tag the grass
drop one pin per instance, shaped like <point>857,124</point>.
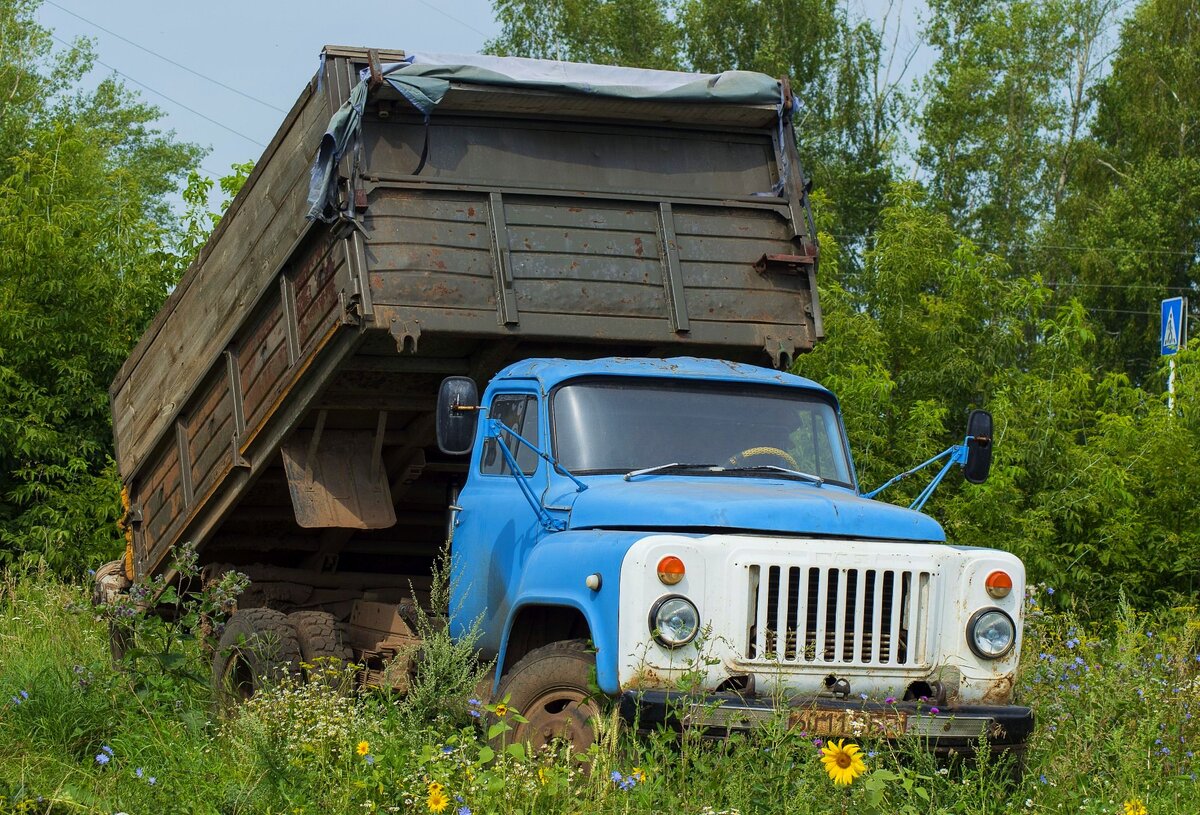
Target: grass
<point>1115,705</point>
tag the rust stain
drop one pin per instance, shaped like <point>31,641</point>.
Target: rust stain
<point>438,264</point>
<point>574,209</point>
<point>637,247</point>
<point>646,679</point>
<point>999,691</point>
<point>470,212</point>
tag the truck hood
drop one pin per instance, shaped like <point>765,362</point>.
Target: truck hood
<point>745,504</point>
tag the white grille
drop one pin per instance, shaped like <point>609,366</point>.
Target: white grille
<point>820,615</point>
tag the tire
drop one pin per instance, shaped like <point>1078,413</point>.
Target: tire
<point>258,648</point>
<point>553,688</point>
<point>322,645</point>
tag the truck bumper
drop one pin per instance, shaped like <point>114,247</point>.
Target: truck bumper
<point>950,730</point>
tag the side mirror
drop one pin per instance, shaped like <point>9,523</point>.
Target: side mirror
<point>457,415</point>
<point>979,447</point>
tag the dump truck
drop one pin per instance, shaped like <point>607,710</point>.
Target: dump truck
<point>644,508</point>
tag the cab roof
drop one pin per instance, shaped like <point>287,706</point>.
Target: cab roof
<point>551,372</point>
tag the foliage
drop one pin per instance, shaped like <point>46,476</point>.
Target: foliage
<point>83,221</point>
<point>1115,709</point>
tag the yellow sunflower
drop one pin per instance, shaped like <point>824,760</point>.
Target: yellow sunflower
<point>438,800</point>
<point>1134,806</point>
<point>843,762</point>
<point>501,709</point>
<point>363,748</point>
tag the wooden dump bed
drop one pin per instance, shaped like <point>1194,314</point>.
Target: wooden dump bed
<point>540,224</point>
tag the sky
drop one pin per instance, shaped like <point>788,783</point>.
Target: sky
<point>233,69</point>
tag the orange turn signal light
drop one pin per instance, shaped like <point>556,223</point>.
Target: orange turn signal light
<point>998,584</point>
<point>670,570</point>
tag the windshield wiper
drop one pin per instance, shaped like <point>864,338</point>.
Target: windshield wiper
<point>771,468</point>
<point>675,465</point>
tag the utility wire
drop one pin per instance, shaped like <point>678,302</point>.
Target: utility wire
<point>448,16</point>
<point>168,98</point>
<point>179,65</point>
<point>1063,247</point>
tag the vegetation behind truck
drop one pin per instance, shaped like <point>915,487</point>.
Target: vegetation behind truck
<point>633,499</point>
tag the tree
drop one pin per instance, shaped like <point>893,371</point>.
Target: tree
<point>85,231</point>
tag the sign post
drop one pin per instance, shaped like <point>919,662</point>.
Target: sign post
<point>1172,337</point>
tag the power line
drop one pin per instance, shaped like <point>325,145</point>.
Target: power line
<point>168,98</point>
<point>179,65</point>
<point>1063,247</point>
<point>450,16</point>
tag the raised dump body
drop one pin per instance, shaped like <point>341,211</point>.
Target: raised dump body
<point>279,412</point>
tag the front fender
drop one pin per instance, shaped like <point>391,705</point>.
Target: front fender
<point>554,575</point>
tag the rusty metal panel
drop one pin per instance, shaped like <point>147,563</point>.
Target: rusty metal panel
<point>336,478</point>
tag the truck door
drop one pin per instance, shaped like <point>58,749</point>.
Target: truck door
<point>495,526</point>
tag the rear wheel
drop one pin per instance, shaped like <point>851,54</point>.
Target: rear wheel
<point>553,688</point>
<point>322,645</point>
<point>258,648</point>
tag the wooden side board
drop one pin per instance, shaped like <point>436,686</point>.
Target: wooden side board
<point>213,298</point>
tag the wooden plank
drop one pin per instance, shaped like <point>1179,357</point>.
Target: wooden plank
<point>438,289</point>
<point>595,298</point>
<point>395,257</point>
<point>634,270</point>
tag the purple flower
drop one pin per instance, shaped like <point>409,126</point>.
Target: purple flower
<point>817,742</point>
<point>447,749</point>
<point>104,748</point>
<point>1050,590</point>
<point>464,810</point>
<point>370,759</point>
<point>933,711</point>
<point>138,772</point>
<point>152,781</point>
<point>474,713</point>
<point>1042,779</point>
<point>102,758</point>
<point>616,777</point>
<point>891,700</point>
<point>24,695</point>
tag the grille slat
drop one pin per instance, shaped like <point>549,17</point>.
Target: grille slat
<point>827,615</point>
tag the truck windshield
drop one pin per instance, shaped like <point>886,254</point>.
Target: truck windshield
<point>615,426</point>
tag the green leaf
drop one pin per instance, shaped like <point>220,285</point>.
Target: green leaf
<point>486,754</point>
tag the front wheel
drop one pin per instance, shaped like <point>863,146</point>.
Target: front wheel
<point>553,688</point>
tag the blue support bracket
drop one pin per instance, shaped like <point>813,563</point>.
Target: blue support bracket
<point>956,454</point>
<point>492,430</point>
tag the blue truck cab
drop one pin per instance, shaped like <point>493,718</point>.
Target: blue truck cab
<point>688,537</point>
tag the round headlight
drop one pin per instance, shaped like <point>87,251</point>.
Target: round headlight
<point>991,633</point>
<point>674,621</point>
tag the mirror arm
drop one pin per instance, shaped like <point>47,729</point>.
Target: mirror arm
<point>493,429</point>
<point>961,449</point>
<point>498,426</point>
<point>958,455</point>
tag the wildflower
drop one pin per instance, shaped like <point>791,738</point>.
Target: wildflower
<point>24,695</point>
<point>370,759</point>
<point>891,700</point>
<point>842,762</point>
<point>615,777</point>
<point>474,706</point>
<point>152,781</point>
<point>638,775</point>
<point>447,749</point>
<point>933,711</point>
<point>1134,806</point>
<point>437,800</point>
<point>103,758</point>
<point>139,772</point>
<point>501,710</point>
<point>104,748</point>
<point>363,748</point>
<point>542,777</point>
<point>1042,779</point>
<point>464,810</point>
<point>1050,590</point>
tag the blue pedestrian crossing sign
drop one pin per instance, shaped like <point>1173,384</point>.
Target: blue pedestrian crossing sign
<point>1174,329</point>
